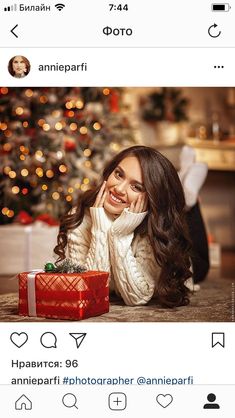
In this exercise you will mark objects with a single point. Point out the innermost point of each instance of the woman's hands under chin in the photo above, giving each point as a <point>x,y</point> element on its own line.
<point>140,204</point>
<point>100,221</point>
<point>131,217</point>
<point>100,198</point>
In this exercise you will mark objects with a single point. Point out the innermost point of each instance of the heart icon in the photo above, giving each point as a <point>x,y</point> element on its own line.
<point>19,339</point>
<point>164,400</point>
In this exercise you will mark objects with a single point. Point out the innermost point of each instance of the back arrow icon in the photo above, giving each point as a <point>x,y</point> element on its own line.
<point>12,31</point>
<point>210,29</point>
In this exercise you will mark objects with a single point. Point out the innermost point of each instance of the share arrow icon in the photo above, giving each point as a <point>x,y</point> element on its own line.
<point>79,337</point>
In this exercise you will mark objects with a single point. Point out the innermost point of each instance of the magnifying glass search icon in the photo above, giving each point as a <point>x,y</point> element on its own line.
<point>69,400</point>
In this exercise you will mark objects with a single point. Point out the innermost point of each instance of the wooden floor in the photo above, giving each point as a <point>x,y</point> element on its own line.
<point>228,264</point>
<point>213,303</point>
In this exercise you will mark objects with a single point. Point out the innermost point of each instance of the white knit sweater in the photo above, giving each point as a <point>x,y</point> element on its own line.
<point>105,243</point>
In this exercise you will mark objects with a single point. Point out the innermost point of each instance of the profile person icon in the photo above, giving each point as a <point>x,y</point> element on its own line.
<point>19,66</point>
<point>211,398</point>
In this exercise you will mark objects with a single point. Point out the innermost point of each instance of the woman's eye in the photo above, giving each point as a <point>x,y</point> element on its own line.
<point>137,187</point>
<point>117,174</point>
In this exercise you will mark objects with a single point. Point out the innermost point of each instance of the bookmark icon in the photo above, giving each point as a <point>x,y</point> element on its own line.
<point>218,338</point>
<point>79,337</point>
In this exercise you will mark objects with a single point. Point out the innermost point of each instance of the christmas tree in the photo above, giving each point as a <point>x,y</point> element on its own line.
<point>54,143</point>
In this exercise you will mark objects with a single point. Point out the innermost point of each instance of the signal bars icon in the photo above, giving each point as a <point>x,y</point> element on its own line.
<point>59,6</point>
<point>12,8</point>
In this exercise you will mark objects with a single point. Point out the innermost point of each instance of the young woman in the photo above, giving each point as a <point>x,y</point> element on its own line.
<point>19,66</point>
<point>133,225</point>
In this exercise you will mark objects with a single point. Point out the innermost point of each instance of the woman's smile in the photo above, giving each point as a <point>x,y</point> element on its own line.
<point>114,199</point>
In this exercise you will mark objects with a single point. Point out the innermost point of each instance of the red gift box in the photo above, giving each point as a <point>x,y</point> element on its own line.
<point>63,295</point>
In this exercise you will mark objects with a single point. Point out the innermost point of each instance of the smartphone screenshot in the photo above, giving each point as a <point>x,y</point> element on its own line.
<point>117,204</point>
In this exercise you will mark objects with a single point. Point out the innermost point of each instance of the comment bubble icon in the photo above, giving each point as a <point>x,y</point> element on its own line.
<point>48,340</point>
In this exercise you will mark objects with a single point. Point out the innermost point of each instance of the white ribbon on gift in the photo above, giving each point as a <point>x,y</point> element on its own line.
<point>28,245</point>
<point>32,292</point>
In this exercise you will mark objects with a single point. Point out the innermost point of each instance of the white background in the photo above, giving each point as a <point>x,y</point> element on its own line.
<point>126,350</point>
<point>154,23</point>
<point>125,67</point>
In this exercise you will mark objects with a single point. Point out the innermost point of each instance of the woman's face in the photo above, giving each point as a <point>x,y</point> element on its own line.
<point>18,65</point>
<point>124,185</point>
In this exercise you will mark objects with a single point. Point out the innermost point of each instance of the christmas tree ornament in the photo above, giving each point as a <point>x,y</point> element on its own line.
<point>24,218</point>
<point>49,267</point>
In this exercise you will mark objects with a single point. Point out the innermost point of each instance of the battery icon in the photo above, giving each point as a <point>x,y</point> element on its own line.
<point>220,7</point>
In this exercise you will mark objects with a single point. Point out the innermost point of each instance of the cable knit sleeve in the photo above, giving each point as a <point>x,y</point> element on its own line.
<point>134,267</point>
<point>88,244</point>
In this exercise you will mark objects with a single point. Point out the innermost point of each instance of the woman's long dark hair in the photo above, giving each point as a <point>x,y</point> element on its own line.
<point>165,224</point>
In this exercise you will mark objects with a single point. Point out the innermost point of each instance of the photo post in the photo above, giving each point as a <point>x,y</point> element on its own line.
<point>117,203</point>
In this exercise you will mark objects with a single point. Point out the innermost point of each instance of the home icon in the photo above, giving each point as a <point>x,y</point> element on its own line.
<point>23,403</point>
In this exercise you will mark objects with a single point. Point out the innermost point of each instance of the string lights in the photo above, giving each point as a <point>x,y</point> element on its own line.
<point>53,144</point>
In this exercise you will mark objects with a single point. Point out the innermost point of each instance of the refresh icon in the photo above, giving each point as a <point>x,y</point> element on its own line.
<point>212,32</point>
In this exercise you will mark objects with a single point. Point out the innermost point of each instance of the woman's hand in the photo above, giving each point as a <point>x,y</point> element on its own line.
<point>140,204</point>
<point>100,220</point>
<point>131,217</point>
<point>100,198</point>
